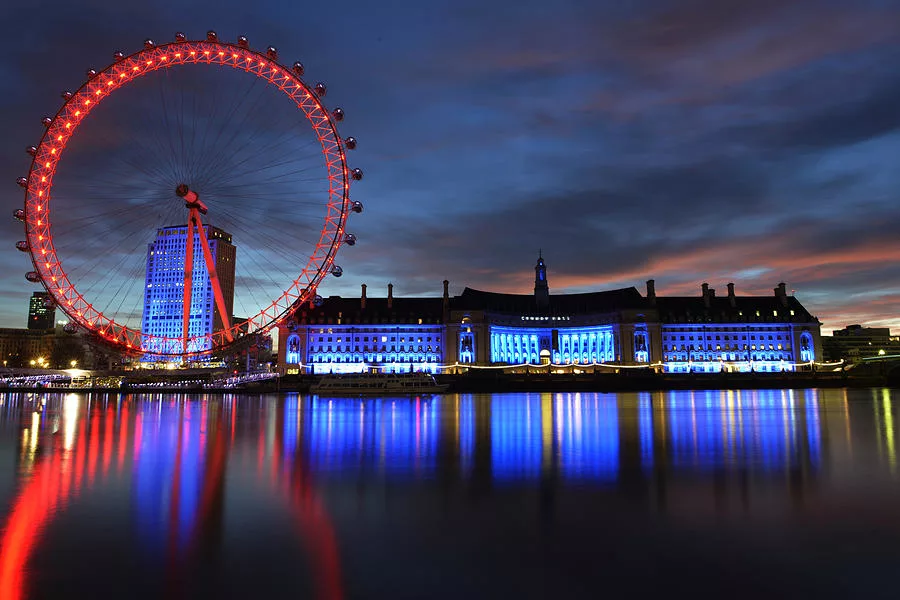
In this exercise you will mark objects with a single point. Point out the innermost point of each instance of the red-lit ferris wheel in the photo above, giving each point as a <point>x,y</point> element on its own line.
<point>167,142</point>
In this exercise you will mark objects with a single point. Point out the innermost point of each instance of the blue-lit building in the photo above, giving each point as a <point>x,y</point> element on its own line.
<point>622,327</point>
<point>164,288</point>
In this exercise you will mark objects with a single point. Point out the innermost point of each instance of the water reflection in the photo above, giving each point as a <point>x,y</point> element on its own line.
<point>172,457</point>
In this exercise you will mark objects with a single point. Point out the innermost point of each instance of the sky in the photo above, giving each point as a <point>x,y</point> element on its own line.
<point>686,141</point>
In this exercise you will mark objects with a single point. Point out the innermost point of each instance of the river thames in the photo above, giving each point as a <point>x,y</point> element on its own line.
<point>566,495</point>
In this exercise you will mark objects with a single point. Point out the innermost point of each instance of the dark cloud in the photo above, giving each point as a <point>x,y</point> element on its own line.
<point>683,140</point>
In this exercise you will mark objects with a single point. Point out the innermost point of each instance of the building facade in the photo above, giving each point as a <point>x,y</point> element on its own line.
<point>51,348</point>
<point>164,289</point>
<point>41,311</point>
<point>855,343</point>
<point>609,329</point>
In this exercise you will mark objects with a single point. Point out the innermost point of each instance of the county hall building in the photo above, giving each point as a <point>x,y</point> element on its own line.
<point>609,329</point>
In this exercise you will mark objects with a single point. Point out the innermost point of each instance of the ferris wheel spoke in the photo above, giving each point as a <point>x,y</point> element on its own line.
<point>220,161</point>
<point>268,166</point>
<point>98,283</point>
<point>270,242</point>
<point>131,316</point>
<point>258,146</point>
<point>240,166</point>
<point>171,155</point>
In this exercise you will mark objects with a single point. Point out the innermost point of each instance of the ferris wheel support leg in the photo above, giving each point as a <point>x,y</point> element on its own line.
<point>188,282</point>
<point>214,281</point>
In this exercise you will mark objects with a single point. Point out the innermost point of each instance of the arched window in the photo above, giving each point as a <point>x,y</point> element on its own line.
<point>807,348</point>
<point>466,347</point>
<point>641,347</point>
<point>292,355</point>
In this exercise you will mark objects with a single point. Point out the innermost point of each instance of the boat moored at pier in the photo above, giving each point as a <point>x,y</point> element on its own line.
<point>376,384</point>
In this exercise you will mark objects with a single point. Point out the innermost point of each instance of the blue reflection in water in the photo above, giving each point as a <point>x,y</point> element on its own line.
<point>534,434</point>
<point>813,426</point>
<point>394,436</point>
<point>516,441</point>
<point>465,407</point>
<point>712,429</point>
<point>588,429</point>
<point>291,425</point>
<point>168,471</point>
<point>645,425</point>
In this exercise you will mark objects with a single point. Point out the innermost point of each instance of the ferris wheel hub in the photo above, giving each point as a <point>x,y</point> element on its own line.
<point>191,198</point>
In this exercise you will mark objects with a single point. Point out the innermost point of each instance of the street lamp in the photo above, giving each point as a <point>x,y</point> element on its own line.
<point>74,363</point>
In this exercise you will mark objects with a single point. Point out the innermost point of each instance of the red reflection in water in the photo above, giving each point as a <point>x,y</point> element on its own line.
<point>48,488</point>
<point>317,531</point>
<point>61,474</point>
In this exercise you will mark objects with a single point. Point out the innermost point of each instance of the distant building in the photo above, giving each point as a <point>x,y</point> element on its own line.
<point>621,327</point>
<point>51,348</point>
<point>41,311</point>
<point>855,342</point>
<point>164,289</point>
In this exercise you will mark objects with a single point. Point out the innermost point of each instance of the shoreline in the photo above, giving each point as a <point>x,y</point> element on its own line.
<point>533,382</point>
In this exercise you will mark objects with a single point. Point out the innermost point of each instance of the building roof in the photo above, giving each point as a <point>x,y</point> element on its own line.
<point>670,309</point>
<point>349,310</point>
<point>692,309</point>
<point>588,303</point>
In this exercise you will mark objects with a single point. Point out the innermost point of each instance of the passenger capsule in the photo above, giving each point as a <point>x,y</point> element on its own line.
<point>70,327</point>
<point>350,142</point>
<point>357,206</point>
<point>338,114</point>
<point>91,73</point>
<point>46,121</point>
<point>22,181</point>
<point>320,89</point>
<point>272,53</point>
<point>318,300</point>
<point>349,239</point>
<point>356,174</point>
<point>212,36</point>
<point>336,271</point>
<point>242,41</point>
<point>149,44</point>
<point>298,69</point>
<point>22,246</point>
<point>117,56</point>
<point>180,37</point>
<point>33,276</point>
<point>31,150</point>
<point>66,95</point>
<point>19,214</point>
<point>291,325</point>
<point>49,302</point>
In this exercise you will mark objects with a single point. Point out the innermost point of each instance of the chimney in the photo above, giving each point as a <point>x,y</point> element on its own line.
<point>390,303</point>
<point>651,291</point>
<point>781,294</point>
<point>362,300</point>
<point>731,300</point>
<point>445,302</point>
<point>704,289</point>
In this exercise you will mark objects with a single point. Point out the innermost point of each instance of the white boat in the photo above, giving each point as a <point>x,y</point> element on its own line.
<point>377,384</point>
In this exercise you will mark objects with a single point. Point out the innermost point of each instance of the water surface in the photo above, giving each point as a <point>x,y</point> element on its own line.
<point>505,495</point>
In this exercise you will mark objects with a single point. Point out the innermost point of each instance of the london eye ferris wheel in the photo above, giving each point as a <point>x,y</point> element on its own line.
<point>187,195</point>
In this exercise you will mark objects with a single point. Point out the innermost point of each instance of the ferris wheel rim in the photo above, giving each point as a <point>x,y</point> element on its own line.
<point>118,74</point>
